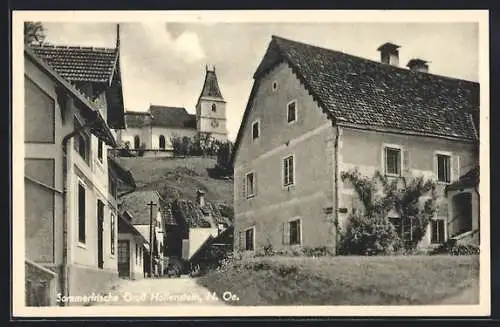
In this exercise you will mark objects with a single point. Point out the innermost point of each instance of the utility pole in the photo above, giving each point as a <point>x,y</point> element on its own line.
<point>151,204</point>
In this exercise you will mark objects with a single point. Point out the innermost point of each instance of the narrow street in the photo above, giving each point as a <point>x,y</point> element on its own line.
<point>161,291</point>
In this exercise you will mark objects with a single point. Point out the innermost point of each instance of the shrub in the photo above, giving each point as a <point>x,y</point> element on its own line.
<point>368,236</point>
<point>141,150</point>
<point>453,248</point>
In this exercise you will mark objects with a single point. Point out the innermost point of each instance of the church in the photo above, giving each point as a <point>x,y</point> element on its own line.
<point>159,125</point>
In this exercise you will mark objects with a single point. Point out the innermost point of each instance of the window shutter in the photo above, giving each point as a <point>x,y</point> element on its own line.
<point>455,168</point>
<point>243,186</point>
<point>254,183</point>
<point>241,241</point>
<point>286,234</point>
<point>406,163</point>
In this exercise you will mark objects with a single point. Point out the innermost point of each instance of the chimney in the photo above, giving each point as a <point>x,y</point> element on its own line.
<point>418,65</point>
<point>200,197</point>
<point>389,53</point>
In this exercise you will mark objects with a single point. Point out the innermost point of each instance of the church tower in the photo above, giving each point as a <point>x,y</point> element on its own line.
<point>211,108</point>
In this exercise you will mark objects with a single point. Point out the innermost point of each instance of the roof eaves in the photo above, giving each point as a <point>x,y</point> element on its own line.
<point>107,136</point>
<point>402,131</point>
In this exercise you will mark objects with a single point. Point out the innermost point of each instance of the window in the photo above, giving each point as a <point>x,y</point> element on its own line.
<point>292,111</point>
<point>137,142</point>
<point>249,239</point>
<point>443,168</point>
<point>162,142</point>
<point>214,107</point>
<point>294,232</point>
<point>275,85</point>
<point>255,130</point>
<point>100,145</point>
<point>81,213</point>
<point>392,161</point>
<point>39,114</point>
<point>81,143</point>
<point>250,185</point>
<point>404,228</point>
<point>437,231</point>
<point>112,231</point>
<point>288,171</point>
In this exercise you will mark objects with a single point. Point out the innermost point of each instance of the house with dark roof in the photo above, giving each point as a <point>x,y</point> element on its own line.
<point>143,209</point>
<point>153,130</point>
<point>314,113</point>
<point>72,102</point>
<point>190,227</point>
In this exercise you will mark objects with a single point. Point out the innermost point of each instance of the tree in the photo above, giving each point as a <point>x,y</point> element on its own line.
<point>224,162</point>
<point>413,199</point>
<point>34,33</point>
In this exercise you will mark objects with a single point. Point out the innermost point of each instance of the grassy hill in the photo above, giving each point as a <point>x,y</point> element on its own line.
<point>180,178</point>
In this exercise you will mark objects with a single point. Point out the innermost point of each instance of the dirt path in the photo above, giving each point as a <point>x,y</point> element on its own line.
<point>161,291</point>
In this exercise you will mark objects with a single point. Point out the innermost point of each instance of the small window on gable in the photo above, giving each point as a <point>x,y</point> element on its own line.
<point>392,158</point>
<point>443,168</point>
<point>255,130</point>
<point>275,86</point>
<point>292,111</point>
<point>214,107</point>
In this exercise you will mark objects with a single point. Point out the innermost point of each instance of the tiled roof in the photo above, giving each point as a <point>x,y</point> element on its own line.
<point>162,116</point>
<point>211,86</point>
<point>137,119</point>
<point>166,116</point>
<point>136,204</point>
<point>87,64</point>
<point>359,91</point>
<point>187,212</point>
<point>90,108</point>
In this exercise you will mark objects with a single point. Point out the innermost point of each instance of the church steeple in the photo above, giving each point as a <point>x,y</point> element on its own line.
<point>211,85</point>
<point>211,107</point>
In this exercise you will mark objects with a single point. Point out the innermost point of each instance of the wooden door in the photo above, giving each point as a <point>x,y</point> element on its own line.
<point>124,258</point>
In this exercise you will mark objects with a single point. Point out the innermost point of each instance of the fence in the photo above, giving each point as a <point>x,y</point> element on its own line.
<point>40,285</point>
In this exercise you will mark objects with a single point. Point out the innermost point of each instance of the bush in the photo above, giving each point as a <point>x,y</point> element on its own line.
<point>451,247</point>
<point>141,150</point>
<point>368,236</point>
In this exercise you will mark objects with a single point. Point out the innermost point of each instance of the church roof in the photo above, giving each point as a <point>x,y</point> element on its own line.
<point>166,116</point>
<point>211,86</point>
<point>161,116</point>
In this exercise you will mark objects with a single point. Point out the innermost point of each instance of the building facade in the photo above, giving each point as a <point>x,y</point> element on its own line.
<point>154,130</point>
<point>71,107</point>
<point>307,121</point>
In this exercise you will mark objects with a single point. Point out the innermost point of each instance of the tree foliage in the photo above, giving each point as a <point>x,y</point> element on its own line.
<point>34,33</point>
<point>413,199</point>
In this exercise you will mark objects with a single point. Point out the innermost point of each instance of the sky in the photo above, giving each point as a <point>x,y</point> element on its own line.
<point>164,63</point>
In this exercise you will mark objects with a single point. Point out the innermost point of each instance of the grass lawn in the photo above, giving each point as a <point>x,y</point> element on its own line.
<point>385,280</point>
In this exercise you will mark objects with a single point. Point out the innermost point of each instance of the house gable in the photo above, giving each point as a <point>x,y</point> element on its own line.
<point>365,94</point>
